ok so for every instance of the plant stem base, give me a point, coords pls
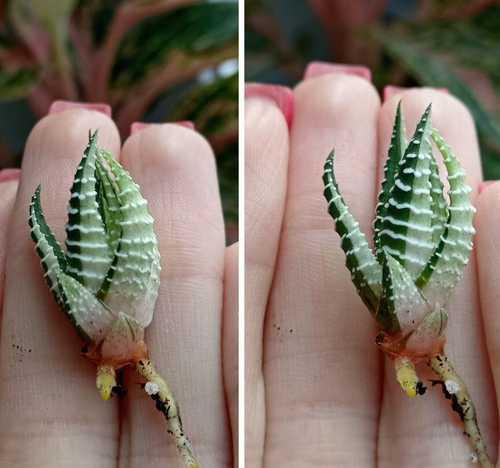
(454, 389)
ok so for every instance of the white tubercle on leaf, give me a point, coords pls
(108, 280)
(446, 266)
(134, 275)
(88, 252)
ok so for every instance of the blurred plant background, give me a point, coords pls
(151, 60)
(442, 43)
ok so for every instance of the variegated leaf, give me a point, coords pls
(397, 148)
(89, 254)
(134, 283)
(445, 268)
(365, 271)
(51, 255)
(438, 205)
(406, 231)
(89, 315)
(402, 306)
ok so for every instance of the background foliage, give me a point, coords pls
(442, 43)
(151, 60)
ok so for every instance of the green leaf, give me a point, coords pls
(89, 253)
(17, 83)
(192, 30)
(445, 268)
(134, 283)
(90, 316)
(402, 306)
(406, 231)
(366, 273)
(52, 257)
(396, 151)
(438, 204)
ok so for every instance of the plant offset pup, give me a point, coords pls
(422, 244)
(107, 280)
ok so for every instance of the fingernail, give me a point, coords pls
(282, 96)
(485, 184)
(391, 90)
(60, 106)
(9, 174)
(315, 69)
(138, 126)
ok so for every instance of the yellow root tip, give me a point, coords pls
(106, 380)
(407, 377)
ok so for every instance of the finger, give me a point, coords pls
(9, 181)
(176, 169)
(50, 410)
(230, 341)
(424, 430)
(488, 259)
(321, 371)
(266, 162)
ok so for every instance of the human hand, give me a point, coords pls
(50, 410)
(318, 393)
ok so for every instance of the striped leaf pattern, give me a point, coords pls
(109, 277)
(422, 240)
(89, 254)
(396, 151)
(366, 273)
(135, 273)
(438, 204)
(450, 257)
(53, 259)
(406, 232)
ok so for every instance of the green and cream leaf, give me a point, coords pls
(135, 279)
(53, 259)
(366, 273)
(89, 254)
(446, 266)
(397, 148)
(406, 231)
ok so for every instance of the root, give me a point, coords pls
(160, 393)
(455, 390)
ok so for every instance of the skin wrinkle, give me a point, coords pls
(314, 131)
(266, 165)
(487, 223)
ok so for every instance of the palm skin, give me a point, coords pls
(318, 393)
(51, 412)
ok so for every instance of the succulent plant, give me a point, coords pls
(107, 278)
(422, 243)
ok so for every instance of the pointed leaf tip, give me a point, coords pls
(365, 271)
(406, 226)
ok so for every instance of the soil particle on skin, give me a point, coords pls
(20, 352)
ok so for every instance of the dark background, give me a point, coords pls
(441, 43)
(151, 60)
